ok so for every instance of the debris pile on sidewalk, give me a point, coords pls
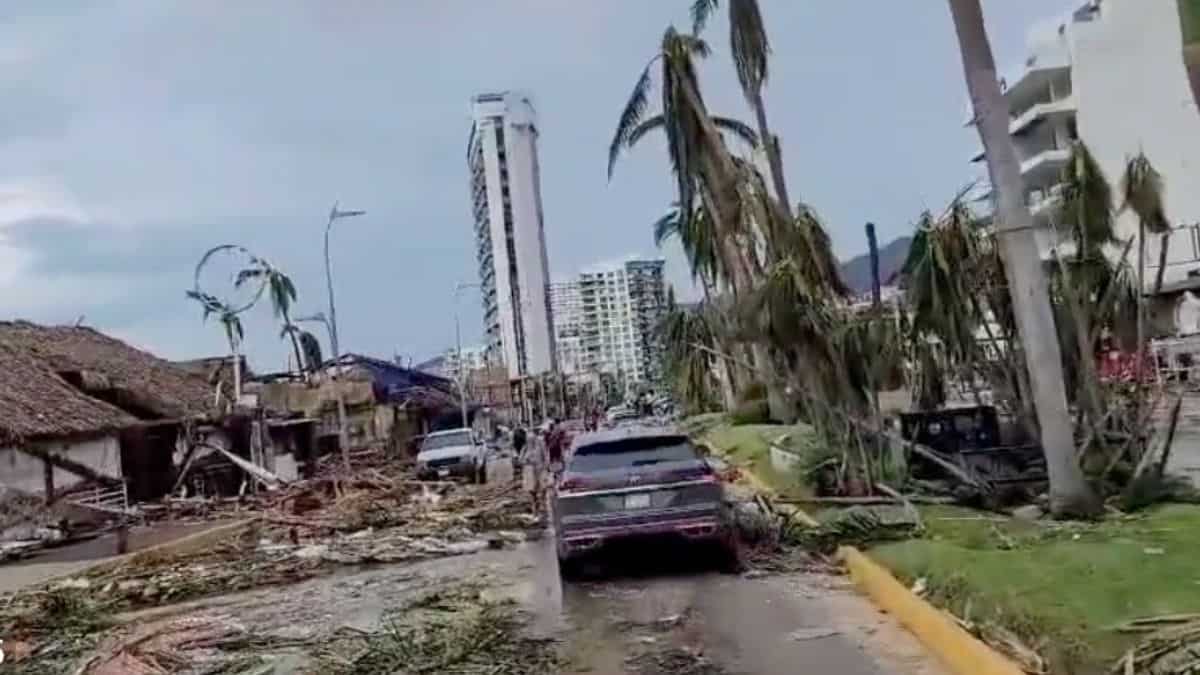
(307, 529)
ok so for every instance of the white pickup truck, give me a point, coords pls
(455, 453)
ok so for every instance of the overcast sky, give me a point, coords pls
(137, 133)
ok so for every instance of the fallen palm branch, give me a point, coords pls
(1172, 646)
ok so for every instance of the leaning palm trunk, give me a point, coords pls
(290, 328)
(1189, 22)
(1070, 495)
(722, 199)
(774, 158)
(1164, 242)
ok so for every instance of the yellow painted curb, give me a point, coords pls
(958, 649)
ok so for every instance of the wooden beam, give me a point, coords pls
(69, 465)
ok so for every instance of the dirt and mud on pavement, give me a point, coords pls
(382, 574)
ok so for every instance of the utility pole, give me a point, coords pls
(873, 249)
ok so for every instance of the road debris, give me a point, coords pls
(300, 531)
(454, 630)
(813, 633)
(1169, 648)
(674, 661)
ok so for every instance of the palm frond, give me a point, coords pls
(666, 227)
(249, 274)
(741, 130)
(631, 116)
(1086, 206)
(749, 44)
(701, 11)
(1143, 194)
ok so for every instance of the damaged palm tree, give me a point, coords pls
(1070, 494)
(707, 174)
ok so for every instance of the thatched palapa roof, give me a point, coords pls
(106, 368)
(36, 402)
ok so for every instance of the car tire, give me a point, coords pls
(569, 569)
(728, 553)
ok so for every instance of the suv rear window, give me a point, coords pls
(632, 452)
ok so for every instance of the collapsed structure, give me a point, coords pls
(89, 421)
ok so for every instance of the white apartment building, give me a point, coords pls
(1111, 74)
(622, 305)
(473, 358)
(510, 234)
(566, 305)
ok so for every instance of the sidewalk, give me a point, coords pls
(74, 558)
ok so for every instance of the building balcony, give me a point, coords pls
(1043, 204)
(1040, 112)
(1035, 77)
(1045, 167)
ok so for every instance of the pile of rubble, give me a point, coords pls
(297, 532)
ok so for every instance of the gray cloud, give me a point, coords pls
(159, 129)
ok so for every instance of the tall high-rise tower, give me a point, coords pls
(510, 235)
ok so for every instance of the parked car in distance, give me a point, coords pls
(620, 413)
(638, 482)
(455, 453)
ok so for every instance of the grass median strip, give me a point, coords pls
(1063, 588)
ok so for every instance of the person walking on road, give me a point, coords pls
(518, 446)
(533, 475)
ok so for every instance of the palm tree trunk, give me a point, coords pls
(774, 158)
(722, 181)
(1141, 304)
(1189, 23)
(1070, 494)
(291, 331)
(1164, 247)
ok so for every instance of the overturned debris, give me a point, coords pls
(303, 530)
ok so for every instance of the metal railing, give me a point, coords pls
(113, 500)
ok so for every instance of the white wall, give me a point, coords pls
(25, 472)
(1133, 95)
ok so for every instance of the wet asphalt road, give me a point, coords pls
(661, 616)
(665, 611)
(646, 612)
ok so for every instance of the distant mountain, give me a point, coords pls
(856, 272)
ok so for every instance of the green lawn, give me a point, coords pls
(1061, 587)
(747, 446)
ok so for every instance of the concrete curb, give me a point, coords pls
(958, 649)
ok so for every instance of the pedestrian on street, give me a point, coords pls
(533, 475)
(556, 446)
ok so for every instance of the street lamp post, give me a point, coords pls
(462, 389)
(331, 325)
